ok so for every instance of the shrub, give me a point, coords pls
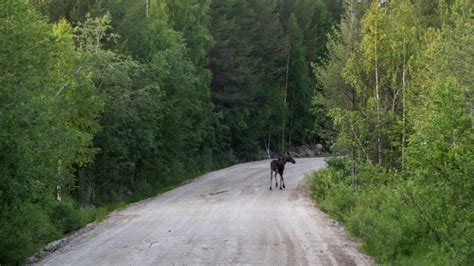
(389, 228)
(331, 189)
(23, 231)
(65, 216)
(340, 164)
(322, 181)
(340, 202)
(373, 174)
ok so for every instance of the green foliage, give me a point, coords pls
(47, 122)
(260, 61)
(389, 229)
(110, 110)
(233, 85)
(59, 84)
(340, 164)
(393, 230)
(23, 232)
(330, 188)
(65, 216)
(298, 94)
(445, 134)
(399, 91)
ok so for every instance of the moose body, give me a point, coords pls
(277, 167)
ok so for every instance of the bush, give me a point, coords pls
(380, 212)
(23, 231)
(331, 189)
(65, 216)
(373, 174)
(322, 182)
(341, 201)
(340, 164)
(389, 228)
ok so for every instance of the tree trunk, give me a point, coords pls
(267, 144)
(284, 98)
(58, 187)
(403, 103)
(147, 7)
(377, 101)
(353, 101)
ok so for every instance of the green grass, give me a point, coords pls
(391, 230)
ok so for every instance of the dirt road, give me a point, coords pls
(224, 217)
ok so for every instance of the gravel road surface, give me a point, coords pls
(224, 217)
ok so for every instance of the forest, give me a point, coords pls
(397, 90)
(106, 102)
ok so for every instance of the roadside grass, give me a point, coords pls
(378, 211)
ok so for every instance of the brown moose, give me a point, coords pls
(278, 166)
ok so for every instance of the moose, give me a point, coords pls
(278, 166)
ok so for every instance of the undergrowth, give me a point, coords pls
(399, 221)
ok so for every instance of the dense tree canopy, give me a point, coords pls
(105, 102)
(109, 101)
(398, 87)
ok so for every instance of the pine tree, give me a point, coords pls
(233, 87)
(298, 92)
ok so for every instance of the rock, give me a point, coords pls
(319, 147)
(294, 154)
(305, 151)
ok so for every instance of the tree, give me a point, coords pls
(47, 124)
(380, 71)
(192, 19)
(402, 104)
(233, 87)
(114, 169)
(336, 97)
(270, 51)
(336, 8)
(439, 154)
(298, 92)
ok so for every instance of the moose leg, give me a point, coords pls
(271, 178)
(276, 180)
(282, 181)
(281, 178)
